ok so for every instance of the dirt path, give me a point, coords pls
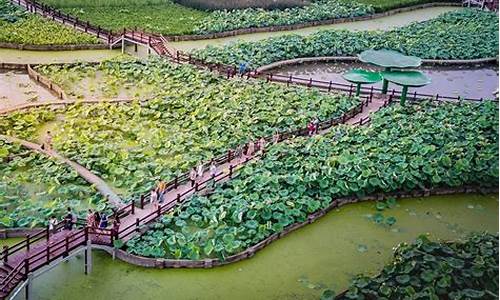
(91, 178)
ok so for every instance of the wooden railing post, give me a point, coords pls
(158, 211)
(132, 207)
(196, 186)
(178, 200)
(330, 86)
(229, 154)
(26, 267)
(137, 224)
(5, 253)
(176, 182)
(47, 232)
(350, 90)
(230, 171)
(47, 253)
(66, 246)
(142, 201)
(27, 242)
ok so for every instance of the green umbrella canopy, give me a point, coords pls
(361, 76)
(406, 78)
(389, 59)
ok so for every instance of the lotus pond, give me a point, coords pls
(324, 255)
(465, 34)
(421, 146)
(194, 116)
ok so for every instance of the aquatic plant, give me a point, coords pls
(405, 148)
(465, 34)
(435, 270)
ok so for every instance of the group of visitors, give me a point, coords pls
(94, 220)
(313, 127)
(196, 174)
(254, 147)
(157, 195)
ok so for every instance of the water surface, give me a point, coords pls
(472, 82)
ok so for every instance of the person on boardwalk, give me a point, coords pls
(52, 224)
(69, 219)
(47, 144)
(250, 148)
(90, 218)
(199, 171)
(262, 145)
(192, 176)
(161, 190)
(97, 219)
(276, 137)
(310, 128)
(316, 125)
(116, 226)
(104, 221)
(154, 198)
(213, 169)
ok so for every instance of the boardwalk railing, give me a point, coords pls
(34, 260)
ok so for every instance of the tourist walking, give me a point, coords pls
(52, 224)
(153, 198)
(262, 145)
(192, 176)
(213, 170)
(69, 219)
(47, 144)
(310, 128)
(104, 221)
(276, 137)
(97, 219)
(316, 125)
(116, 226)
(250, 148)
(199, 171)
(90, 218)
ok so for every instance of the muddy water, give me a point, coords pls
(385, 23)
(16, 88)
(470, 82)
(322, 255)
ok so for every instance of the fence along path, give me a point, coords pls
(43, 248)
(161, 46)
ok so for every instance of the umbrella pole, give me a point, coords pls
(404, 92)
(358, 89)
(385, 85)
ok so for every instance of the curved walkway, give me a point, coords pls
(383, 23)
(91, 178)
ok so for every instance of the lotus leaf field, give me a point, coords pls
(194, 117)
(19, 27)
(420, 146)
(168, 18)
(431, 270)
(466, 34)
(34, 187)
